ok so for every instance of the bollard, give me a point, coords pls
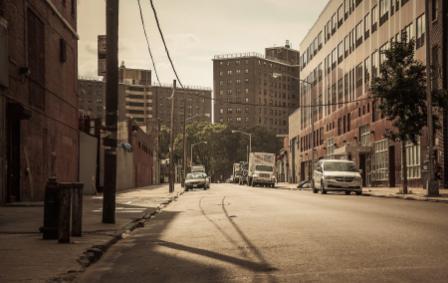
(65, 199)
(77, 209)
(51, 211)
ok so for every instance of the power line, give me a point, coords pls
(223, 101)
(164, 43)
(147, 41)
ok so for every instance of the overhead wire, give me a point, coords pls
(164, 43)
(147, 41)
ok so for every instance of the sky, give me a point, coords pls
(195, 31)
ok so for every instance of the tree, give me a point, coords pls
(223, 148)
(401, 91)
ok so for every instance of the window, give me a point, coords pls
(340, 93)
(367, 74)
(346, 46)
(330, 146)
(340, 52)
(384, 11)
(413, 160)
(364, 135)
(408, 32)
(435, 9)
(333, 58)
(420, 31)
(374, 18)
(36, 59)
(382, 52)
(367, 26)
(375, 64)
(359, 75)
(340, 15)
(380, 161)
(358, 31)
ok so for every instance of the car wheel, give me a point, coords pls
(322, 188)
(347, 192)
(313, 186)
(358, 193)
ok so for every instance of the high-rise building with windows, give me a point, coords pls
(339, 57)
(253, 90)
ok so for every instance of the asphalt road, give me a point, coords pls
(241, 234)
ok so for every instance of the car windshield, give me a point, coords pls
(264, 168)
(340, 166)
(196, 176)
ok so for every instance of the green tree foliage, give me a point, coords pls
(400, 90)
(223, 148)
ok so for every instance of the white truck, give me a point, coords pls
(261, 169)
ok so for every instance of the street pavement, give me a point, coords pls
(232, 233)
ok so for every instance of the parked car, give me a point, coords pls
(197, 180)
(336, 175)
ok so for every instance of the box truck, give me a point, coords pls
(261, 169)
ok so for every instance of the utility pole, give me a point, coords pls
(184, 141)
(171, 186)
(433, 188)
(110, 141)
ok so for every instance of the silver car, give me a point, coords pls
(336, 175)
(197, 180)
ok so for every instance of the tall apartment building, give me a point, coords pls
(253, 90)
(91, 98)
(39, 134)
(340, 55)
(198, 103)
(438, 31)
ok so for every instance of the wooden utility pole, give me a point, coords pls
(433, 188)
(173, 98)
(110, 141)
(184, 141)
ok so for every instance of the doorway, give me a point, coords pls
(363, 167)
(13, 152)
(392, 181)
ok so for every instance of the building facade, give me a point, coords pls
(91, 98)
(253, 90)
(39, 108)
(438, 18)
(197, 100)
(341, 54)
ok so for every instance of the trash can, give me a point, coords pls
(51, 211)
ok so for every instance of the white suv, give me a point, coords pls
(336, 175)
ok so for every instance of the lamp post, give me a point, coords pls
(278, 75)
(191, 151)
(250, 140)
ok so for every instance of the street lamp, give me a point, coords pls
(250, 139)
(191, 151)
(278, 75)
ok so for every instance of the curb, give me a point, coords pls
(94, 253)
(406, 197)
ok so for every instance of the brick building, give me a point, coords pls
(91, 98)
(438, 13)
(39, 134)
(198, 105)
(254, 90)
(339, 57)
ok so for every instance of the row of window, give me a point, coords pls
(372, 20)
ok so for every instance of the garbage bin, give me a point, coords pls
(62, 211)
(51, 210)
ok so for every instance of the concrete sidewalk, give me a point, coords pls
(26, 257)
(414, 194)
